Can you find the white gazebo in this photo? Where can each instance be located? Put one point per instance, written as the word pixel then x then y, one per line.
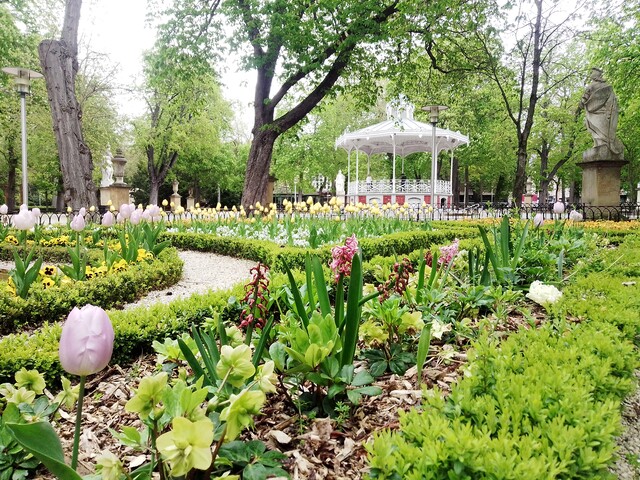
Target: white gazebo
pixel 399 135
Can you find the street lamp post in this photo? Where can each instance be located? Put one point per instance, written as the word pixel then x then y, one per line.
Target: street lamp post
pixel 434 113
pixel 22 78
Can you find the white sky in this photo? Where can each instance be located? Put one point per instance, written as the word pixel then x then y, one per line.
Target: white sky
pixel 118 29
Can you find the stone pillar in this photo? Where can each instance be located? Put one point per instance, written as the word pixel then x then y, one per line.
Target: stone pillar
pixel 175 198
pixel 118 192
pixel 270 184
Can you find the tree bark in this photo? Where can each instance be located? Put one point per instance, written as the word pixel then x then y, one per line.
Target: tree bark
pixel 257 175
pixel 59 61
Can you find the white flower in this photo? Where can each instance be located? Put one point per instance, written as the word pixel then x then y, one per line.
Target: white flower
pixel 24 220
pixel 543 294
pixel 575 216
pixel 439 328
pixel 558 208
pixel 538 220
pixel 3 209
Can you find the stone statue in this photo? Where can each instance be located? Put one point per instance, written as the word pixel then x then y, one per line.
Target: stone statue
pixel 601 113
pixel 107 169
pixel 340 183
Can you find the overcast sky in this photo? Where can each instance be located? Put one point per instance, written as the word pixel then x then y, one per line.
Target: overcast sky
pixel 117 28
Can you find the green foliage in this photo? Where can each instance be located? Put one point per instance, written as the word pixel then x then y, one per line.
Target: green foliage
pixel 24 274
pixel 541 404
pixel 112 290
pixel 251 460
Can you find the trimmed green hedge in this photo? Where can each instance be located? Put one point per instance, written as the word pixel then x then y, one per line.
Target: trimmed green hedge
pixel 111 291
pixel 542 404
pixel 269 253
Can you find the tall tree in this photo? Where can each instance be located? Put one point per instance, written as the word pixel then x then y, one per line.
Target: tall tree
pixel 299 51
pixel 180 97
pixel 536 35
pixel 59 61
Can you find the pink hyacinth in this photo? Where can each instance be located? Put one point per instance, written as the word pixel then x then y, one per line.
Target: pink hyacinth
pixel 343 256
pixel 448 253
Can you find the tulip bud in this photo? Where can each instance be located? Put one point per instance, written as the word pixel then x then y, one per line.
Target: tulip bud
pixel 78 223
pixel 108 219
pixel 4 209
pixel 575 216
pixel 558 208
pixel 538 220
pixel 86 343
pixel 25 219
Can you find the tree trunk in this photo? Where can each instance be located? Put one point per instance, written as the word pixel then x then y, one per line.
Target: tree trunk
pixel 521 175
pixel 257 176
pixel 544 165
pixel 59 61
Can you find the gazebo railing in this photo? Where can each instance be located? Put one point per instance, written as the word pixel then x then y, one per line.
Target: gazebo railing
pixel 443 187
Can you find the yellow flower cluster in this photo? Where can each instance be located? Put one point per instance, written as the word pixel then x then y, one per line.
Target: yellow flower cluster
pixel 61 241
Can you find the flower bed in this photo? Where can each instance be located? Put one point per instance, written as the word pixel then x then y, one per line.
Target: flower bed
pixel 541 402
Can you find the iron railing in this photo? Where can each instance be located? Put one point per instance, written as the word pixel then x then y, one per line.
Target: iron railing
pixel 622 212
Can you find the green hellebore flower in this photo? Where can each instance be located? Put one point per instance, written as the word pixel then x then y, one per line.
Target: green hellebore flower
pixel 187 445
pixel 68 396
pixel 31 380
pixel 21 395
pixel 240 410
pixel 148 395
pixel 109 466
pixel 266 378
pixel 235 364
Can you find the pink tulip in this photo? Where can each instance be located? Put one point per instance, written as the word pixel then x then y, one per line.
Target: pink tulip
pixel 538 220
pixel 25 219
pixel 108 219
pixel 136 216
pixel 77 224
pixel 86 343
pixel 125 211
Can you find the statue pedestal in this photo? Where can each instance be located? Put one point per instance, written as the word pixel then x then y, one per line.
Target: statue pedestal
pixel 528 199
pixel 117 193
pixel 600 183
pixel 191 203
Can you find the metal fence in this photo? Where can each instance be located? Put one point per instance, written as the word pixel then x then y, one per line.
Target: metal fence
pixel 620 213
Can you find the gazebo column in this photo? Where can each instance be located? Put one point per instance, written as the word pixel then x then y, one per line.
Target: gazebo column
pixel 357 173
pixel 349 175
pixel 393 180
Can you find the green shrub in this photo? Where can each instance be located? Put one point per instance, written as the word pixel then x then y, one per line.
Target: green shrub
pixel 110 291
pixel 542 404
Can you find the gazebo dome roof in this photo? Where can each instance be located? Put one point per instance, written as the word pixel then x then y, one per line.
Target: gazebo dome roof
pixel 400 133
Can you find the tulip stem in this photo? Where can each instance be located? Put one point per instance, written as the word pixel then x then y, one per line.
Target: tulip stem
pixel 76 435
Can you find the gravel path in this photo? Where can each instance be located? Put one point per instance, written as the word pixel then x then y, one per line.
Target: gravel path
pixel 201 272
